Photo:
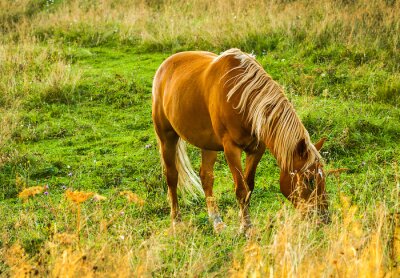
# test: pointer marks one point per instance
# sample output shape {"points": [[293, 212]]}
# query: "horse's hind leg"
{"points": [[168, 142], [208, 159]]}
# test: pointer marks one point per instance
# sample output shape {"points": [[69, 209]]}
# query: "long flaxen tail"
{"points": [[189, 183]]}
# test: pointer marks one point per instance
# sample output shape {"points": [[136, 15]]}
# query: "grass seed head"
{"points": [[78, 196], [132, 197], [30, 191], [98, 198]]}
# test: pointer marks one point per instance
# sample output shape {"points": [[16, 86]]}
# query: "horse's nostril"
{"points": [[325, 217]]}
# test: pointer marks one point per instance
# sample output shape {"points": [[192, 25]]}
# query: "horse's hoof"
{"points": [[219, 227], [245, 228], [176, 222], [251, 233], [177, 227]]}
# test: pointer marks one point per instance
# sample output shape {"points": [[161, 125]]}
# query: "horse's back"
{"points": [[179, 69], [181, 91]]}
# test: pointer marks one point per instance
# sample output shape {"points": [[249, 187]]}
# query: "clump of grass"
{"points": [[18, 261], [31, 76], [297, 248], [360, 241], [8, 123], [30, 71], [68, 253], [389, 91]]}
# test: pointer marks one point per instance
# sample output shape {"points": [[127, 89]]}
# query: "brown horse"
{"points": [[229, 103]]}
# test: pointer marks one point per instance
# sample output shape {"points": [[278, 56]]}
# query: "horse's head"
{"points": [[305, 186]]}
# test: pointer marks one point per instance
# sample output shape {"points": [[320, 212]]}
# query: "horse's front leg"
{"points": [[233, 156], [252, 160], [208, 159]]}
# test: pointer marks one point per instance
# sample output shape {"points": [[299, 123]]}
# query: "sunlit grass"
{"points": [[77, 144], [360, 241], [31, 74]]}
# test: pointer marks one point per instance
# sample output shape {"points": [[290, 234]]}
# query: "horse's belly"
{"points": [[190, 118], [203, 140]]}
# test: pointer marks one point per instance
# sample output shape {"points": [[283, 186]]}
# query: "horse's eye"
{"points": [[311, 183]]}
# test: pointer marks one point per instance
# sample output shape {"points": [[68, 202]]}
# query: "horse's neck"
{"points": [[269, 143]]}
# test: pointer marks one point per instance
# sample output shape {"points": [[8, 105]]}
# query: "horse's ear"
{"points": [[320, 143], [302, 148]]}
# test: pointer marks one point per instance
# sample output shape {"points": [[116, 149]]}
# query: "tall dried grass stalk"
{"points": [[344, 249], [193, 22], [78, 197]]}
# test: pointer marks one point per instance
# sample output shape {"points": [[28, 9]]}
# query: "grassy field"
{"points": [[75, 116]]}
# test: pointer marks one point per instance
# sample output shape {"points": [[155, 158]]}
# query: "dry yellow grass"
{"points": [[18, 262], [343, 249], [65, 259], [195, 21], [30, 191], [132, 197], [173, 22], [78, 196], [356, 244]]}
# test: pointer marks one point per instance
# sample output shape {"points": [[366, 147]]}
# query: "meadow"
{"points": [[81, 187]]}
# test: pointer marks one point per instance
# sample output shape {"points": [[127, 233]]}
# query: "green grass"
{"points": [[102, 140], [105, 122], [109, 120], [100, 137], [94, 133]]}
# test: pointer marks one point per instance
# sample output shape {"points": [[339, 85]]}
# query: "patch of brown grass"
{"points": [[18, 262]]}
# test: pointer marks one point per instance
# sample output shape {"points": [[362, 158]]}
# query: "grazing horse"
{"points": [[229, 103]]}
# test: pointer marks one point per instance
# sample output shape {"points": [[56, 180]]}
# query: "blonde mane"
{"points": [[271, 116]]}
